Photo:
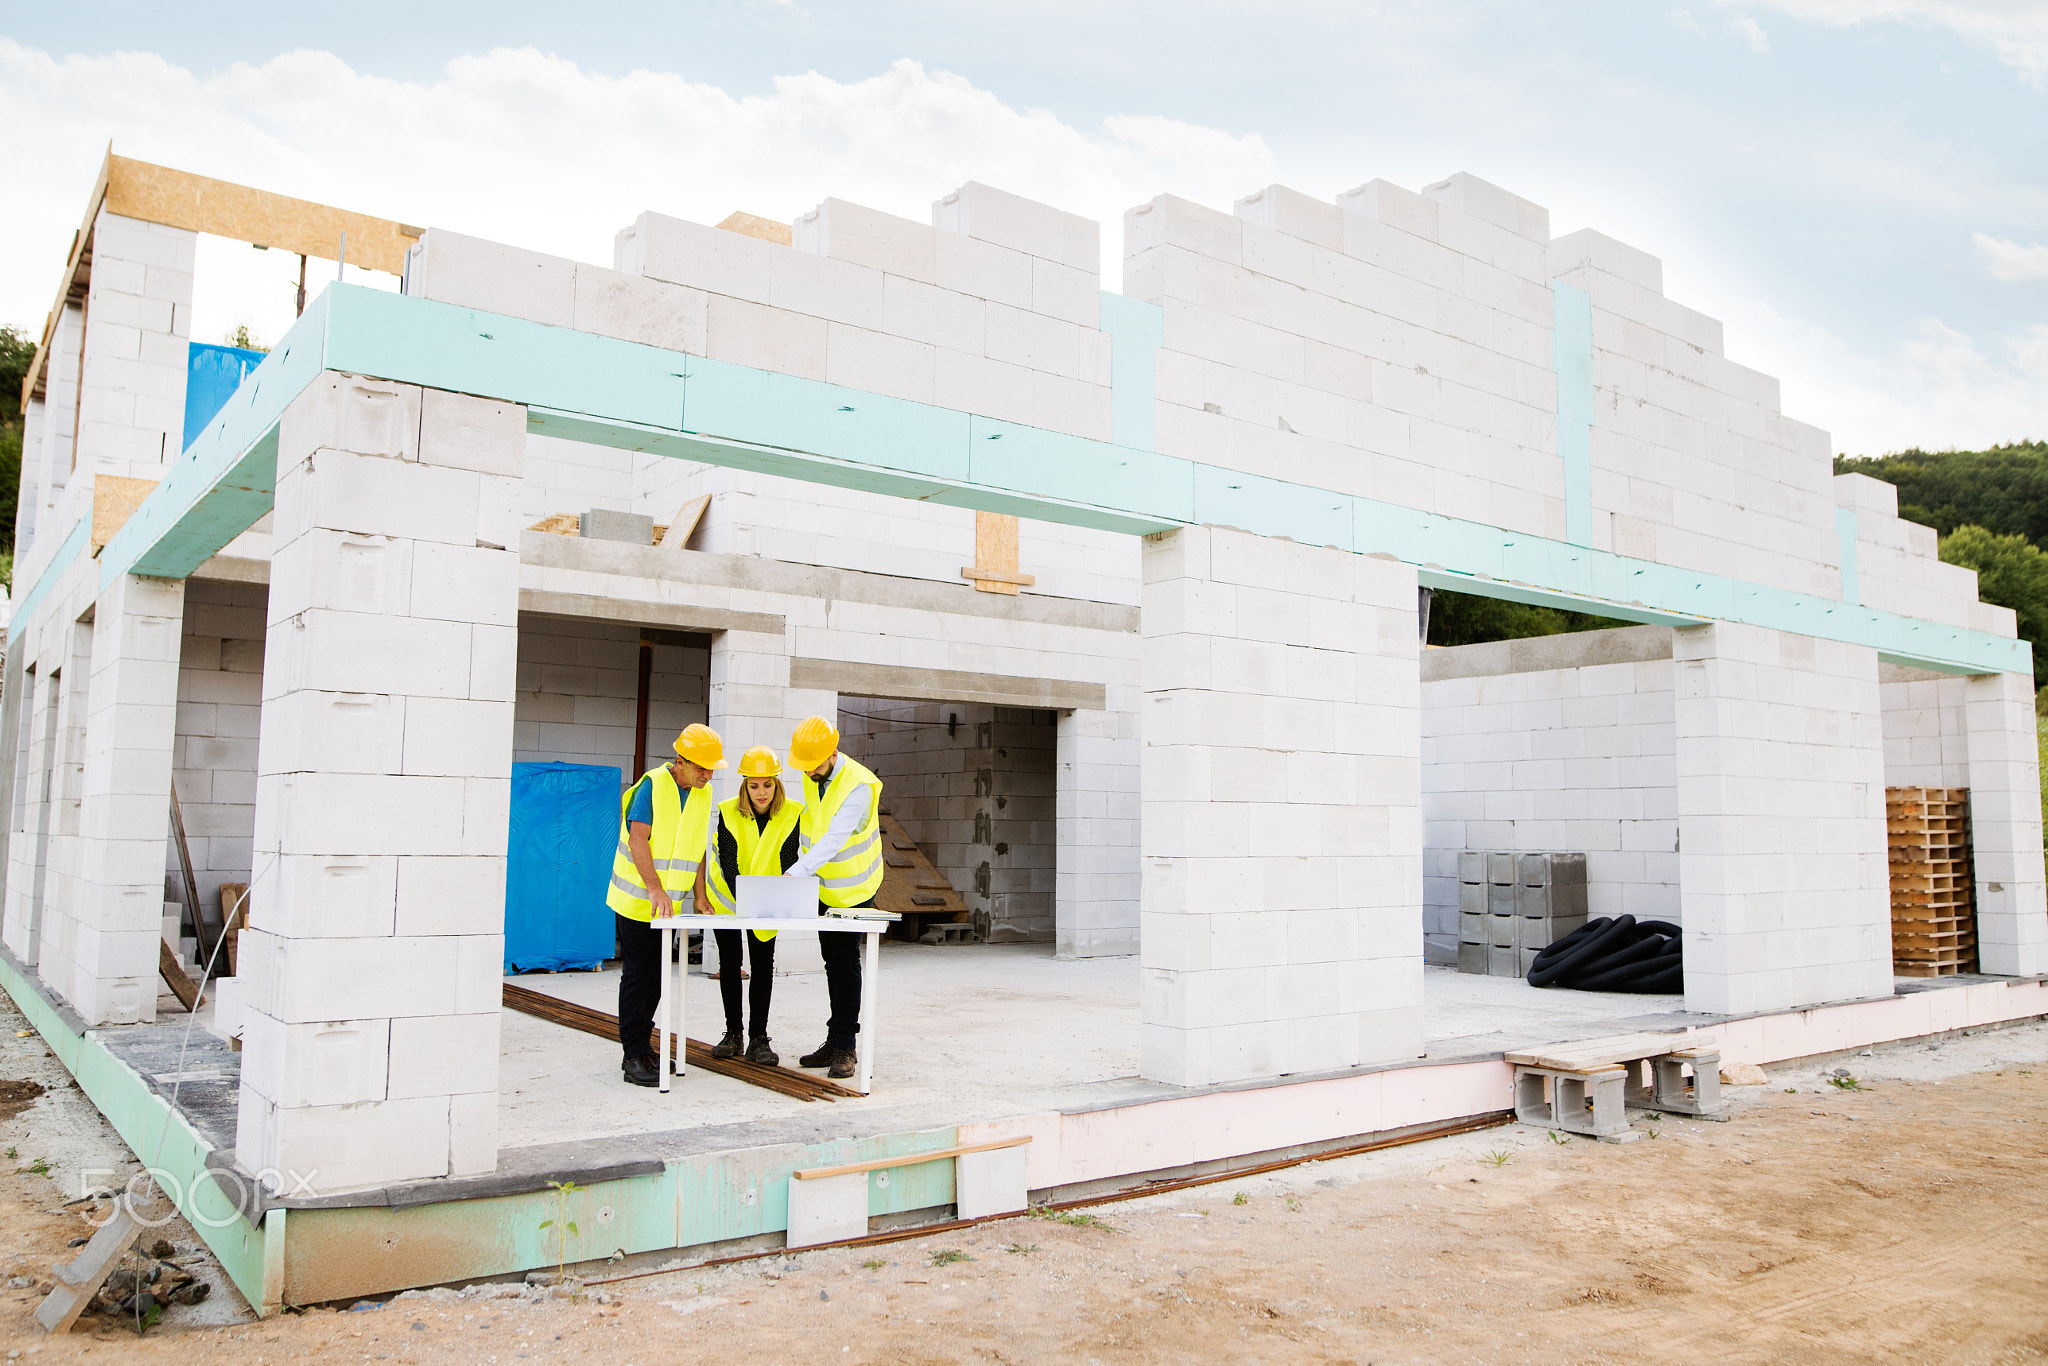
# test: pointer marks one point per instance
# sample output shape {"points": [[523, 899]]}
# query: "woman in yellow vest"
{"points": [[840, 833], [754, 835], [664, 831]]}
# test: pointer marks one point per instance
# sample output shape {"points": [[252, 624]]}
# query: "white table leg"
{"points": [[679, 1020], [667, 947], [870, 975]]}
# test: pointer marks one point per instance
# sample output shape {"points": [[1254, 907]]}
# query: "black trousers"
{"points": [[841, 953], [761, 957], [639, 985]]}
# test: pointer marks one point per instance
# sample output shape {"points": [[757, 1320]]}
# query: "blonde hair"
{"points": [[774, 803]]}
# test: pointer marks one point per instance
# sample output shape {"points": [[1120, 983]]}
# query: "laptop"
{"points": [[779, 898]]}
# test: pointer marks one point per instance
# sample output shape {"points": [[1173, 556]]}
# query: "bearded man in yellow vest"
{"points": [[839, 838], [664, 836]]}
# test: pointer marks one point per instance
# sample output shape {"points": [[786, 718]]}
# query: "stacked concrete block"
{"points": [[1926, 727], [1282, 837], [1097, 804], [1897, 565], [371, 966], [131, 417], [973, 785], [750, 699], [2005, 825], [220, 701], [1513, 904], [1553, 741], [1783, 867]]}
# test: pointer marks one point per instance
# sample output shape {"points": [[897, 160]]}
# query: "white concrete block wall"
{"points": [[371, 1017], [2005, 824], [1926, 731], [1574, 759], [1098, 805], [979, 800], [220, 706], [1282, 918], [751, 703], [49, 446], [57, 914], [138, 322], [130, 730], [578, 694], [1782, 868]]}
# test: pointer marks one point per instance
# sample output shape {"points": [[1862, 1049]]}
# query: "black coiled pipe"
{"points": [[1620, 954]]}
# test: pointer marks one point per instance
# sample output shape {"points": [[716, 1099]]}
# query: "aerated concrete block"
{"points": [[604, 525]]}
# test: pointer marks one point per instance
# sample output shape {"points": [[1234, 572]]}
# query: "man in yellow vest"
{"points": [[664, 833], [839, 837]]}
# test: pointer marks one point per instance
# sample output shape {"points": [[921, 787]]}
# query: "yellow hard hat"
{"points": [[701, 746], [813, 743], [760, 762]]}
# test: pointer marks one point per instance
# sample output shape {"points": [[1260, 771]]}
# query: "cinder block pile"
{"points": [[1512, 905]]}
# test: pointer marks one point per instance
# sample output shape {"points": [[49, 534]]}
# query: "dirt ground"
{"points": [[1902, 1219]]}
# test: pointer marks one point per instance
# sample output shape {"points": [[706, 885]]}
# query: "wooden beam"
{"points": [[179, 199]]}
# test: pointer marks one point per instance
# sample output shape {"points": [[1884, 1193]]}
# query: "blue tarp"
{"points": [[565, 828], [212, 374]]}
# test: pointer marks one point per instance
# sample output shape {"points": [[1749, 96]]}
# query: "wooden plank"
{"points": [[173, 973], [80, 1279], [1619, 1048], [683, 525], [202, 929], [179, 199], [886, 1163]]}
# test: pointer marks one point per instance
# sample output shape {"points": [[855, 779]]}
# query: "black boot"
{"points": [[821, 1058], [641, 1071], [729, 1046], [759, 1053], [844, 1063]]}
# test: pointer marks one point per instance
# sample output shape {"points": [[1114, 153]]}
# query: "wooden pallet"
{"points": [[1933, 892]]}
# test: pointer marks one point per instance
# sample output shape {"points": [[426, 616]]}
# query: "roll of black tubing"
{"points": [[1580, 946], [1631, 976], [1629, 951]]}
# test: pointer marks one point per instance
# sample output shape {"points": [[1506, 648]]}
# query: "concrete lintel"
{"points": [[1536, 654], [234, 569], [945, 685], [591, 607], [758, 574]]}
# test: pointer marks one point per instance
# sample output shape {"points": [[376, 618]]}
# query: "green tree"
{"points": [[1469, 619], [2012, 572], [17, 350], [2003, 489]]}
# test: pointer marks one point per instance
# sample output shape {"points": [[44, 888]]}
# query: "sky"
{"points": [[1857, 188]]}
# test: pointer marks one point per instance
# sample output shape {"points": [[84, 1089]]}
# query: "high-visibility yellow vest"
{"points": [[760, 850], [676, 844], [855, 872]]}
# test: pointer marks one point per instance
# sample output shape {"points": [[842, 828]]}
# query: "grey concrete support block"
{"points": [[1568, 870], [1471, 865], [1501, 962], [1500, 931], [1474, 958], [1472, 898], [1500, 898], [1533, 900], [1472, 929], [1500, 868], [1535, 869], [600, 524]]}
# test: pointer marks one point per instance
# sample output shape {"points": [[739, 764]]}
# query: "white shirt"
{"points": [[847, 819]]}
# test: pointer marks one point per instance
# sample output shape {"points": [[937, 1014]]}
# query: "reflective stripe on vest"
{"points": [[675, 844], [759, 851], [855, 872]]}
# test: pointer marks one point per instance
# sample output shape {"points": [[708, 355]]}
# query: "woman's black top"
{"points": [[729, 850]]}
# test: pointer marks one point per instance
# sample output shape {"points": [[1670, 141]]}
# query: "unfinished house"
{"points": [[1118, 590]]}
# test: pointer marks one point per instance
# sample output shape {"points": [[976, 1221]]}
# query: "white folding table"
{"points": [[671, 1020]]}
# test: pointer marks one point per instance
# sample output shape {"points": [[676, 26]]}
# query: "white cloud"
{"points": [[2009, 260], [523, 147], [1682, 19], [1753, 33], [1938, 389], [2016, 30]]}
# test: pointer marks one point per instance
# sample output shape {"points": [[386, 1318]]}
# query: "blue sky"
{"points": [[1859, 188]]}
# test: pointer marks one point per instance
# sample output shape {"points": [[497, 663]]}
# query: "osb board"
{"points": [[753, 225], [916, 878], [179, 199], [114, 500], [676, 535], [995, 555]]}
